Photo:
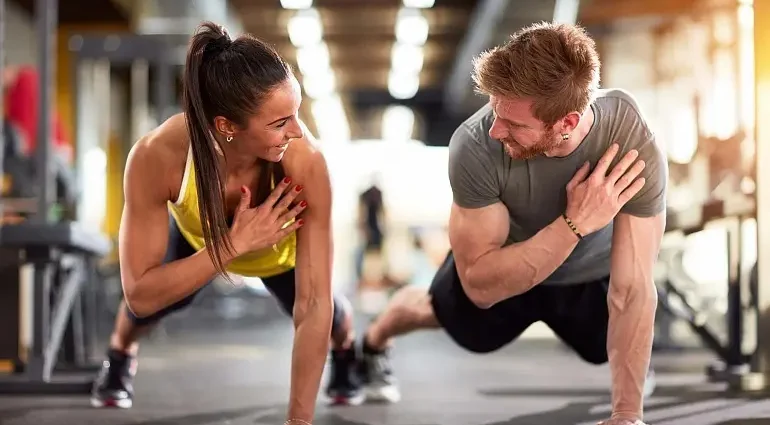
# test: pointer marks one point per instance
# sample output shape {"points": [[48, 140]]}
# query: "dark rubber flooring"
{"points": [[238, 375]]}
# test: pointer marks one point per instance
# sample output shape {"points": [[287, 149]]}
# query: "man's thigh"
{"points": [[578, 315], [475, 329]]}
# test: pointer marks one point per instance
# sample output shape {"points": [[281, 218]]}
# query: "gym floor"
{"points": [[230, 374]]}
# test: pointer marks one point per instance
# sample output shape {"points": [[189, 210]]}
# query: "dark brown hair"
{"points": [[228, 78], [554, 65]]}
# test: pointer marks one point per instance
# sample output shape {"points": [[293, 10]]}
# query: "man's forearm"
{"points": [[632, 308], [515, 269], [311, 345]]}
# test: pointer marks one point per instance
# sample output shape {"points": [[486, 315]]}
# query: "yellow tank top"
{"points": [[264, 263]]}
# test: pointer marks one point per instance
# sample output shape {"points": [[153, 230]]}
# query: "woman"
{"points": [[239, 134]]}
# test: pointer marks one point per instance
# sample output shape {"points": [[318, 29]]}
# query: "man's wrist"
{"points": [[295, 421]]}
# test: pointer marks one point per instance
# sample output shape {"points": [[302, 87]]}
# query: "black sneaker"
{"points": [[380, 385], [113, 387], [344, 384]]}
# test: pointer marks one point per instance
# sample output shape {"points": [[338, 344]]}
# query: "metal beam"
{"points": [[47, 16], [2, 104], [124, 48], [481, 29], [760, 378]]}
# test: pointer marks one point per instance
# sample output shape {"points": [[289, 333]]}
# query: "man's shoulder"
{"points": [[473, 133], [619, 101]]}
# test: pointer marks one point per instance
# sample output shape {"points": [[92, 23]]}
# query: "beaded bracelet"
{"points": [[572, 226]]}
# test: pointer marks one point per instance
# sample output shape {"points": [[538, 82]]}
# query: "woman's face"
{"points": [[267, 133]]}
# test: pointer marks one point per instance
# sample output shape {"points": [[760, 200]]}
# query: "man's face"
{"points": [[522, 135]]}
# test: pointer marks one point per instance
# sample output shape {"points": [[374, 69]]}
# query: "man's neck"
{"points": [[576, 137]]}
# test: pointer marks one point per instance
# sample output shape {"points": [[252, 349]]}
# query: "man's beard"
{"points": [[547, 142]]}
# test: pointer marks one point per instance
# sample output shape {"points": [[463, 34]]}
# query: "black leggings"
{"points": [[281, 286]]}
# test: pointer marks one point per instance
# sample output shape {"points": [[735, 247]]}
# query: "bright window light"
{"points": [[402, 85], [313, 58], [397, 123], [406, 58], [330, 120], [296, 4], [305, 28], [319, 85], [411, 27], [423, 4]]}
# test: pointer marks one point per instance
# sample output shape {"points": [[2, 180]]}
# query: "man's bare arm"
{"points": [[490, 273], [632, 303]]}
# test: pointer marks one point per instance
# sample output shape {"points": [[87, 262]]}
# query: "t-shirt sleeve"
{"points": [[472, 171], [651, 200]]}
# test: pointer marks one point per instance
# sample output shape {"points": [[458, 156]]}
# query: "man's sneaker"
{"points": [[649, 383], [379, 383], [114, 387], [344, 386]]}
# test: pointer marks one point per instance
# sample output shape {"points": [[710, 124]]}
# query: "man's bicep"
{"points": [[474, 232], [472, 172], [651, 199]]}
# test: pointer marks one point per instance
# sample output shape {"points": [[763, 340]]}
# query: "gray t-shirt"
{"points": [[534, 190]]}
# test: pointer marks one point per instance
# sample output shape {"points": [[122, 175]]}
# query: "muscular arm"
{"points": [[632, 303], [490, 273], [148, 285], [313, 303]]}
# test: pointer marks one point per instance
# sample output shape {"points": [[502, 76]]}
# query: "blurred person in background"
{"points": [[218, 189], [22, 94], [371, 263]]}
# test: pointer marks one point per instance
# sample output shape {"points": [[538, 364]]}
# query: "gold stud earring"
{"points": [[565, 136]]}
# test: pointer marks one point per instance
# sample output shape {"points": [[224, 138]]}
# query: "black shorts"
{"points": [[578, 314], [280, 286]]}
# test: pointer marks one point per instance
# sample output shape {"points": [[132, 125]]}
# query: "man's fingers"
{"points": [[622, 166], [632, 190], [629, 177], [579, 176], [600, 171]]}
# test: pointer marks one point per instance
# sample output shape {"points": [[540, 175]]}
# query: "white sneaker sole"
{"points": [[356, 400], [382, 394], [121, 404]]}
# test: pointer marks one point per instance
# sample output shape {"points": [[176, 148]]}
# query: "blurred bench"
{"points": [[63, 258]]}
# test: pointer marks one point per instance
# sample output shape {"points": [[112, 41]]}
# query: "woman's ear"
{"points": [[224, 126]]}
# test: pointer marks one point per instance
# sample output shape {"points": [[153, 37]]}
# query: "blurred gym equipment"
{"points": [[60, 254]]}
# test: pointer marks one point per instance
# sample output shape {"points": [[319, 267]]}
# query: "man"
{"points": [[536, 235]]}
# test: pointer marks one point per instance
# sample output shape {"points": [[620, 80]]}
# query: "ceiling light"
{"points": [[296, 4], [411, 27], [330, 120], [423, 4], [313, 58], [305, 28], [406, 58], [402, 85], [397, 123], [319, 85]]}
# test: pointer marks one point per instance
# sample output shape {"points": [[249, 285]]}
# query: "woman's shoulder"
{"points": [[162, 154], [304, 155]]}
